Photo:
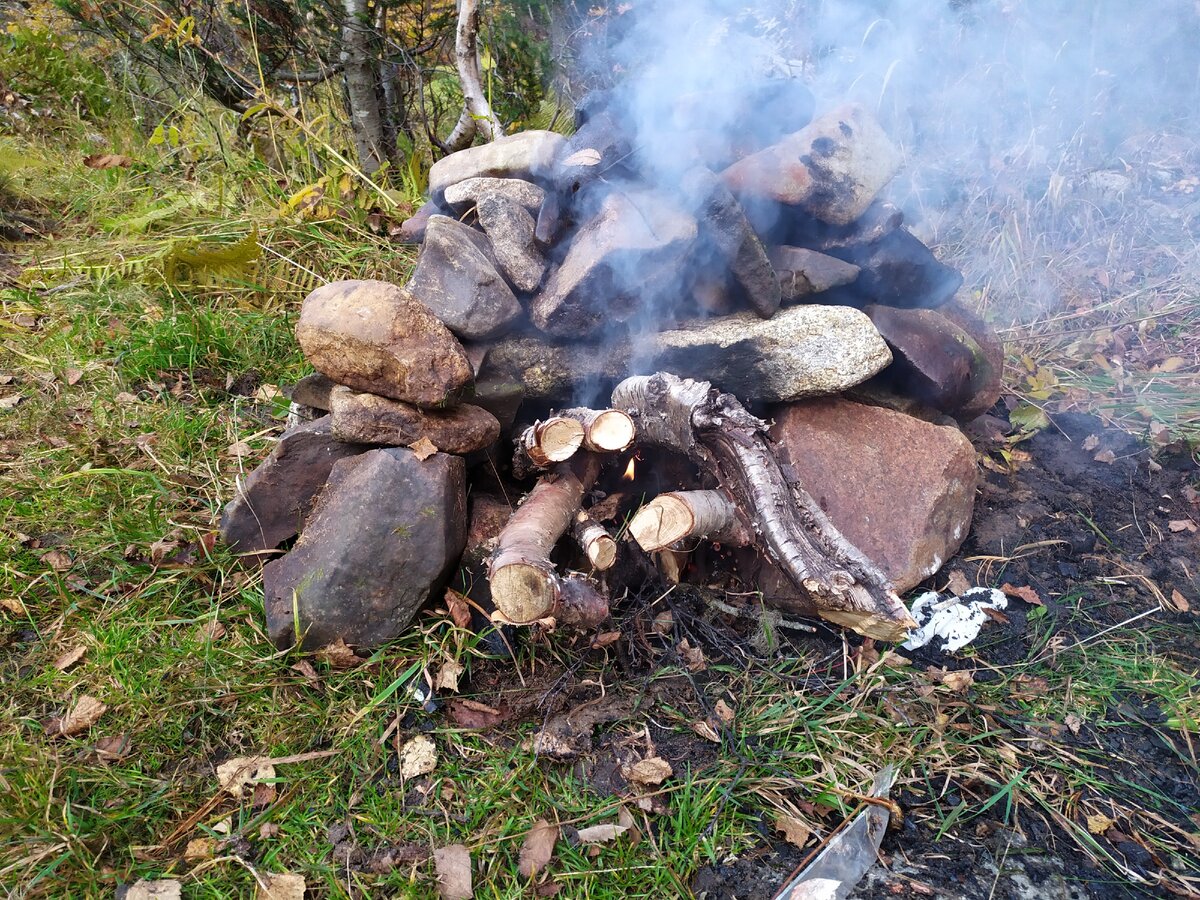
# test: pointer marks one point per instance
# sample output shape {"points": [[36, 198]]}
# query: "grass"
{"points": [[138, 387]]}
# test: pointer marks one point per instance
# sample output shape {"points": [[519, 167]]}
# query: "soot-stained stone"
{"points": [[385, 533], [509, 226]]}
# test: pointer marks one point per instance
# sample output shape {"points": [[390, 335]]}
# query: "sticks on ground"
{"points": [[717, 433], [595, 541]]}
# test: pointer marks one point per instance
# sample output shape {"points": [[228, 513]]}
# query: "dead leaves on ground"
{"points": [[1028, 594], [239, 773], [794, 831], [537, 848], [282, 886], [418, 756], [160, 889], [107, 161], [648, 772], [83, 714], [453, 864]]}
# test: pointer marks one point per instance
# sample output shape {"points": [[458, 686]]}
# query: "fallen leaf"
{"points": [[1026, 687], [1178, 525], [1098, 823], [57, 560], [198, 849], [1028, 594], [264, 795], [605, 638], [453, 866], [1179, 602], [459, 607], [472, 714], [795, 831], [1073, 722], [10, 401], [267, 830], [706, 731], [447, 676], [995, 615], [423, 448], [653, 771], [14, 606], [125, 398], [267, 392], [238, 450], [113, 749], [958, 681], [549, 889], [537, 848], [601, 834], [72, 376], [281, 886], [339, 655], [724, 712], [418, 756], [1105, 456], [305, 668], [1091, 442], [85, 712], [693, 657], [162, 889], [107, 161], [664, 622], [957, 583], [211, 631], [235, 775], [68, 659]]}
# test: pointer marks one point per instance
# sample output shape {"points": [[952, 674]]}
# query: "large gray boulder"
{"points": [[456, 279], [385, 533], [273, 502], [510, 226], [378, 338], [465, 195]]}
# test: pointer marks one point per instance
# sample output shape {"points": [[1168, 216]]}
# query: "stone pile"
{"points": [[550, 268]]}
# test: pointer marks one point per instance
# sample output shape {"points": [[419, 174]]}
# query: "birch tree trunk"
{"points": [[360, 73], [477, 115]]}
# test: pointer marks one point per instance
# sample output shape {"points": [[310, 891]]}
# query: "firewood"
{"points": [[595, 541], [545, 443], [680, 515], [604, 430], [716, 432], [525, 586]]}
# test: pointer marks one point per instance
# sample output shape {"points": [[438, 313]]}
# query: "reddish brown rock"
{"points": [[384, 534], [271, 505], [901, 490], [832, 168], [412, 229], [938, 361], [378, 338], [369, 419]]}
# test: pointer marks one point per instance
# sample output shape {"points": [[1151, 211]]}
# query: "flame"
{"points": [[630, 470]]}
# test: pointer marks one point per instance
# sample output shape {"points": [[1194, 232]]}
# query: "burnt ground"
{"points": [[1073, 711]]}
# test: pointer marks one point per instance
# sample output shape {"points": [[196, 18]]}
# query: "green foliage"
{"points": [[517, 42], [46, 67]]}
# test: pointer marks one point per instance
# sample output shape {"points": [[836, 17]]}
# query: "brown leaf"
{"points": [[211, 631], [57, 560], [423, 448], [724, 712], [1027, 687], [605, 638], [68, 659], [693, 657], [459, 607], [664, 622], [237, 774], [958, 681], [795, 831], [453, 866], [958, 584], [308, 670], [706, 731], [471, 714], [995, 615], [1105, 456], [601, 834], [239, 450], [198, 849], [418, 756], [281, 886], [1179, 602], [448, 674], [72, 376], [1028, 594], [1073, 722], [162, 889], [125, 398], [1091, 442], [339, 655], [1178, 525], [653, 771], [85, 712], [14, 606], [107, 161], [10, 401], [537, 848], [1097, 823], [113, 749]]}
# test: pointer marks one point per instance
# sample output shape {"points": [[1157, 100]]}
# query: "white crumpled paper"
{"points": [[957, 619]]}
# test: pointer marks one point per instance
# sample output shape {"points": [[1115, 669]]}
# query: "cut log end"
{"points": [[552, 441], [677, 516], [524, 593], [611, 431]]}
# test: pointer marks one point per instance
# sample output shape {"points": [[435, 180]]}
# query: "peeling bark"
{"points": [[595, 541], [719, 435], [361, 79], [477, 115]]}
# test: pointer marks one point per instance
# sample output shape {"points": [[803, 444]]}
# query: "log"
{"points": [[525, 586], [679, 515], [716, 432], [595, 541], [544, 443], [604, 430]]}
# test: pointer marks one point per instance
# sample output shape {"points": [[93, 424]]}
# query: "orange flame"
{"points": [[630, 470]]}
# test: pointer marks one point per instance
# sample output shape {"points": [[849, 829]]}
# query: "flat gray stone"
{"points": [[385, 533], [509, 226], [378, 338], [273, 502], [457, 280], [801, 351], [522, 155], [313, 391], [803, 273], [463, 196]]}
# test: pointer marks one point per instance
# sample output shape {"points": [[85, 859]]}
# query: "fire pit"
{"points": [[740, 370]]}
